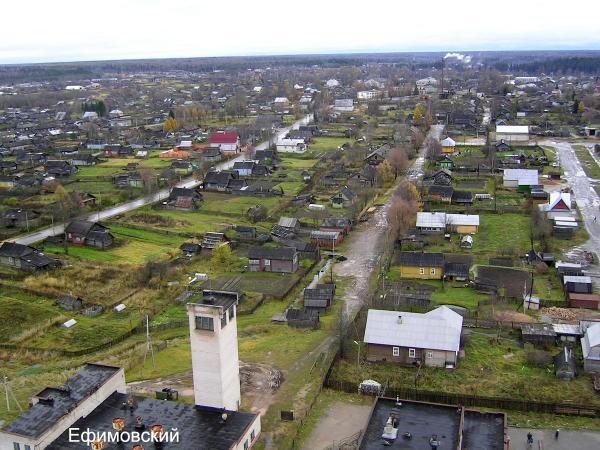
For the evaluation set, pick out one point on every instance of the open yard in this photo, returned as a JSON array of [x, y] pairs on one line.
[[490, 367]]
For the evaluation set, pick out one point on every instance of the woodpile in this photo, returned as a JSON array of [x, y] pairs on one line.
[[560, 313]]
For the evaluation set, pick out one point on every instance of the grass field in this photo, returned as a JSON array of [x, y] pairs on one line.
[[588, 163], [323, 144], [132, 247], [21, 312]]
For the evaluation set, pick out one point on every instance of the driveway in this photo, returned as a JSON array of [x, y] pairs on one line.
[[122, 208]]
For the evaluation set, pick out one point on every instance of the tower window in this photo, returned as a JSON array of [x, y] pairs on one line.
[[224, 320], [204, 323]]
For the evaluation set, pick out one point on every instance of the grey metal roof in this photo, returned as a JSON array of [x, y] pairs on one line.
[[439, 329]]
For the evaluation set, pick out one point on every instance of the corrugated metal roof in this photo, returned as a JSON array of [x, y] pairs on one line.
[[441, 219], [438, 329]]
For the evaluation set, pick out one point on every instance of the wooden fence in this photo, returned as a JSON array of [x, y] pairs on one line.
[[447, 398]]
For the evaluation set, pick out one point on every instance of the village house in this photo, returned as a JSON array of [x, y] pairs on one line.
[[559, 206], [512, 133], [448, 146], [26, 258], [20, 218], [84, 232], [84, 160], [219, 181], [291, 146], [441, 222], [211, 154], [181, 167], [431, 339], [441, 194], [342, 225], [442, 177], [183, 198], [344, 198], [590, 346], [271, 259], [522, 179], [227, 142], [417, 265], [212, 240]]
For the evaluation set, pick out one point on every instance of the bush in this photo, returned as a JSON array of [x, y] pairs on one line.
[[539, 358]]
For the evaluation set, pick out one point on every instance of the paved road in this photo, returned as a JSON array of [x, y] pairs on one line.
[[59, 228], [366, 243], [586, 197], [544, 439]]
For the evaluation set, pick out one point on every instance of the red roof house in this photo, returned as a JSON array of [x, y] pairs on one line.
[[228, 142]]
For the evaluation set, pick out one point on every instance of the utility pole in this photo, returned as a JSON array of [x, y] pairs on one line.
[[149, 348], [9, 394]]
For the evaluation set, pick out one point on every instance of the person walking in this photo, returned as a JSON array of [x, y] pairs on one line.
[[529, 440], [556, 433]]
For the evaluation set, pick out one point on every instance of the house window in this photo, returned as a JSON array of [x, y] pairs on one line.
[[204, 323], [267, 262], [432, 271], [396, 351], [252, 435], [224, 320], [230, 313], [16, 446], [412, 353], [253, 261], [27, 447], [421, 271], [429, 355], [246, 445]]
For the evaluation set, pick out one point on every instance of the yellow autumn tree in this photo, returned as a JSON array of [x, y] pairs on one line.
[[418, 114], [385, 175], [170, 125], [580, 108]]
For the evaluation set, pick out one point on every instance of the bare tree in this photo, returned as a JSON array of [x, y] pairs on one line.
[[148, 180], [416, 140], [433, 148], [401, 216], [398, 160]]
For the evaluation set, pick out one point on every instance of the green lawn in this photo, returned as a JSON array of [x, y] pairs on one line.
[[326, 144]]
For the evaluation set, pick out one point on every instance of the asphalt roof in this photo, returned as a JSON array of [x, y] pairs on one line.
[[199, 428], [421, 259]]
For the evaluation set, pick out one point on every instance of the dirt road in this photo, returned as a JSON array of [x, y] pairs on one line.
[[367, 241]]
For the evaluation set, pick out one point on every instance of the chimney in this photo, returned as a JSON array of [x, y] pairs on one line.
[[214, 347]]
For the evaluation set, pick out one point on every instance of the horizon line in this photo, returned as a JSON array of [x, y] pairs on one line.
[[282, 55]]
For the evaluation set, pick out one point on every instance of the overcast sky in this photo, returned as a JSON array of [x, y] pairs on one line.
[[68, 30]]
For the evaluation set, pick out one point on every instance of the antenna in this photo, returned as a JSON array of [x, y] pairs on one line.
[[149, 348], [9, 394]]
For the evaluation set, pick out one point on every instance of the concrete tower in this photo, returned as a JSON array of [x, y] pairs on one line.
[[213, 338]]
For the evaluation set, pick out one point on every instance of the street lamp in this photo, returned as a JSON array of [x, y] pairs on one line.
[[358, 354]]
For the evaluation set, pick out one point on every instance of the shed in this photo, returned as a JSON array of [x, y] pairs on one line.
[[564, 365], [578, 284], [538, 334], [588, 301], [302, 318]]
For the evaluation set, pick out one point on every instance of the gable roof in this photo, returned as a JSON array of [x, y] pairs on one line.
[[223, 138], [279, 253], [441, 219], [437, 330], [525, 177], [418, 259]]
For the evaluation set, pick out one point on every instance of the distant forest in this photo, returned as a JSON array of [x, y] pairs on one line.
[[550, 62], [568, 65]]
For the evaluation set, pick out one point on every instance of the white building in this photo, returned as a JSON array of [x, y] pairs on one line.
[[559, 207], [520, 178], [291, 146], [332, 83], [512, 133], [439, 222], [368, 95], [590, 346]]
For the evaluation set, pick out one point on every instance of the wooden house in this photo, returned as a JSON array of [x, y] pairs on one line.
[[270, 259], [417, 265]]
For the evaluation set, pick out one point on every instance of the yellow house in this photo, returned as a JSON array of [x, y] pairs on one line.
[[448, 145], [423, 266]]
